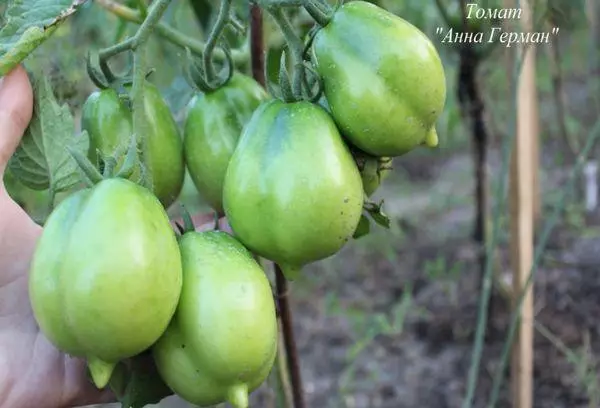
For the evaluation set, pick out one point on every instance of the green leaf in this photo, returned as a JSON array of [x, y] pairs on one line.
[[28, 24], [375, 211], [42, 160], [363, 228], [136, 382]]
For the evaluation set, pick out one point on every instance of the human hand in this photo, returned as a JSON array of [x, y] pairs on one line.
[[33, 373]]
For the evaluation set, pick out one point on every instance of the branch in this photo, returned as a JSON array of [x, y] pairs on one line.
[[296, 47], [291, 351], [171, 34]]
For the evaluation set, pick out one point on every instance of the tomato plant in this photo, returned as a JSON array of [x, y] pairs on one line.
[[291, 164]]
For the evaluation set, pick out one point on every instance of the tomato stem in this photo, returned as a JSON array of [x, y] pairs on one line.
[[213, 37], [91, 175], [296, 47], [171, 34], [320, 11], [94, 73], [131, 160]]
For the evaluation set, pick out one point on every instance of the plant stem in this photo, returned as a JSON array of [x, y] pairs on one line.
[[291, 351], [213, 37], [171, 34], [317, 12], [113, 50], [156, 11], [138, 44], [140, 122], [296, 47], [257, 45]]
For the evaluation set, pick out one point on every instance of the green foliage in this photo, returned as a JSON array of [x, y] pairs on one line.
[[42, 160], [28, 24]]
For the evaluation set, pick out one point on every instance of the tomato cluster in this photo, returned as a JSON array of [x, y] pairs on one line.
[[291, 178]]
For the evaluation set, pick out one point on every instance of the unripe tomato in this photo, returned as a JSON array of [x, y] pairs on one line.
[[213, 126], [107, 121], [292, 191], [373, 170], [106, 274], [382, 78], [109, 124], [164, 147], [222, 342]]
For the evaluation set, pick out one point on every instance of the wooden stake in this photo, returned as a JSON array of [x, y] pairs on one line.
[[522, 203]]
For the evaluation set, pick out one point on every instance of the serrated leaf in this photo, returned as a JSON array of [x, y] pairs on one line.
[[28, 24], [363, 227], [136, 382], [42, 160]]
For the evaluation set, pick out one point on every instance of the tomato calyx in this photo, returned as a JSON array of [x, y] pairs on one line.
[[321, 11], [303, 82], [107, 164]]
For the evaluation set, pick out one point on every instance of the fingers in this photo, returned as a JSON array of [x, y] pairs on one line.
[[16, 108]]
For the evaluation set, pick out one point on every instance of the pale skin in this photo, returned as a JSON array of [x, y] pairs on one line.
[[33, 373]]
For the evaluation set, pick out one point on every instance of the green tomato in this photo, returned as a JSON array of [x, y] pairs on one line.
[[382, 78], [292, 191], [106, 274], [222, 342], [373, 170], [107, 121], [109, 124], [213, 126]]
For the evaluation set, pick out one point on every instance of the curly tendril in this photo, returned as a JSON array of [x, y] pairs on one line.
[[202, 74], [94, 72], [196, 76]]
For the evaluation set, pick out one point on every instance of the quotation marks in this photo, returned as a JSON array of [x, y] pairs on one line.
[[495, 34]]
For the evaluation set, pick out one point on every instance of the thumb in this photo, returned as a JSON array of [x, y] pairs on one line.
[[16, 108]]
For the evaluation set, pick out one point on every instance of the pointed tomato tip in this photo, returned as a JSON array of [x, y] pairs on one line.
[[237, 396], [100, 370], [431, 140]]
